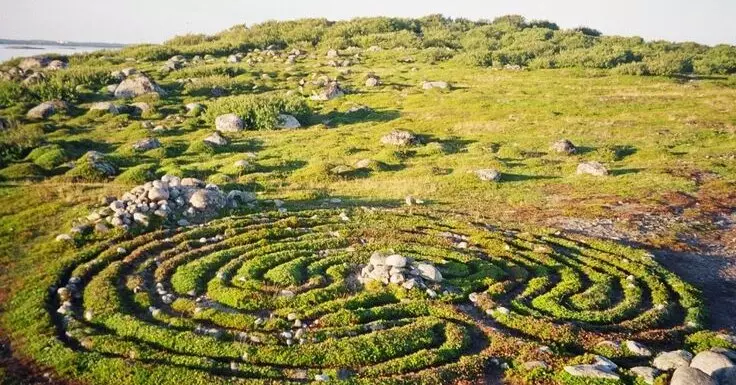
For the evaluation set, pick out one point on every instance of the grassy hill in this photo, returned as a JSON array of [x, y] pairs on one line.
[[659, 116]]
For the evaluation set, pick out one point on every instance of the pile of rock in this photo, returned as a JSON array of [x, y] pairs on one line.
[[400, 270], [170, 198], [711, 367]]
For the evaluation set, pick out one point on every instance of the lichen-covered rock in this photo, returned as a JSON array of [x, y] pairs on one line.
[[564, 146], [711, 362], [216, 139], [33, 63], [429, 272], [645, 373], [287, 122], [56, 65], [435, 84], [137, 85], [207, 199], [399, 138], [684, 375], [331, 91], [672, 360], [488, 175], [46, 109], [592, 168], [106, 107], [591, 371], [638, 349], [229, 123], [146, 144]]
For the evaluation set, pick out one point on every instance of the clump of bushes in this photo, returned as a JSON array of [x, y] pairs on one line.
[[259, 112]]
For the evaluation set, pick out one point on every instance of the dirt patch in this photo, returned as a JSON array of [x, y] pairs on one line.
[[714, 275]]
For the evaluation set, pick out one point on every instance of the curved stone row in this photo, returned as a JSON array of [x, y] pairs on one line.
[[278, 296]]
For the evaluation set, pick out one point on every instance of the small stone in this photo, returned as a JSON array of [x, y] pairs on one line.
[[63, 237]]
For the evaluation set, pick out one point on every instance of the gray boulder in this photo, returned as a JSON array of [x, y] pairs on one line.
[[488, 175], [331, 91], [592, 168], [672, 360], [33, 63], [591, 371], [399, 138], [711, 363], [564, 146], [216, 139], [436, 84], [287, 122], [56, 65], [137, 85], [146, 144], [207, 200], [691, 376], [638, 349], [229, 123], [429, 272], [46, 109], [106, 107], [646, 373]]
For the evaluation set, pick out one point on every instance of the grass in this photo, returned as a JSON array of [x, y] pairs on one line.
[[657, 135]]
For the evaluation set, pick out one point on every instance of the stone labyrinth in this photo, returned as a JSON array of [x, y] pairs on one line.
[[282, 297]]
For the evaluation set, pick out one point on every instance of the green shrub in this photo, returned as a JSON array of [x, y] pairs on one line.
[[11, 93], [259, 112], [16, 141]]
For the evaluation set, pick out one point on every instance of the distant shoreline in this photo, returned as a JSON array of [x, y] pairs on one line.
[[24, 47], [31, 44]]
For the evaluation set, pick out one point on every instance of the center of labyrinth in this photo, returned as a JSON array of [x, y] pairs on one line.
[[279, 296]]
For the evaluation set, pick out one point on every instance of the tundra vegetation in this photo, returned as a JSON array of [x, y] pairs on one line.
[[378, 200]]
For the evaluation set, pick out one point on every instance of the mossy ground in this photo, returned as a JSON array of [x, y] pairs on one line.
[[659, 136]]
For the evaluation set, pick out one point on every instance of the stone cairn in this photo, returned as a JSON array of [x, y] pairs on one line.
[[400, 270], [173, 199]]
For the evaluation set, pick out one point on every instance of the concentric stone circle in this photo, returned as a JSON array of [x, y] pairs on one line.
[[275, 297]]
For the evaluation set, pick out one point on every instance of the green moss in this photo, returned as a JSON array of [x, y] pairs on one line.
[[22, 171], [137, 174]]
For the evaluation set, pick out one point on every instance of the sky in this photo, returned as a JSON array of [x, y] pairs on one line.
[[137, 21]]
